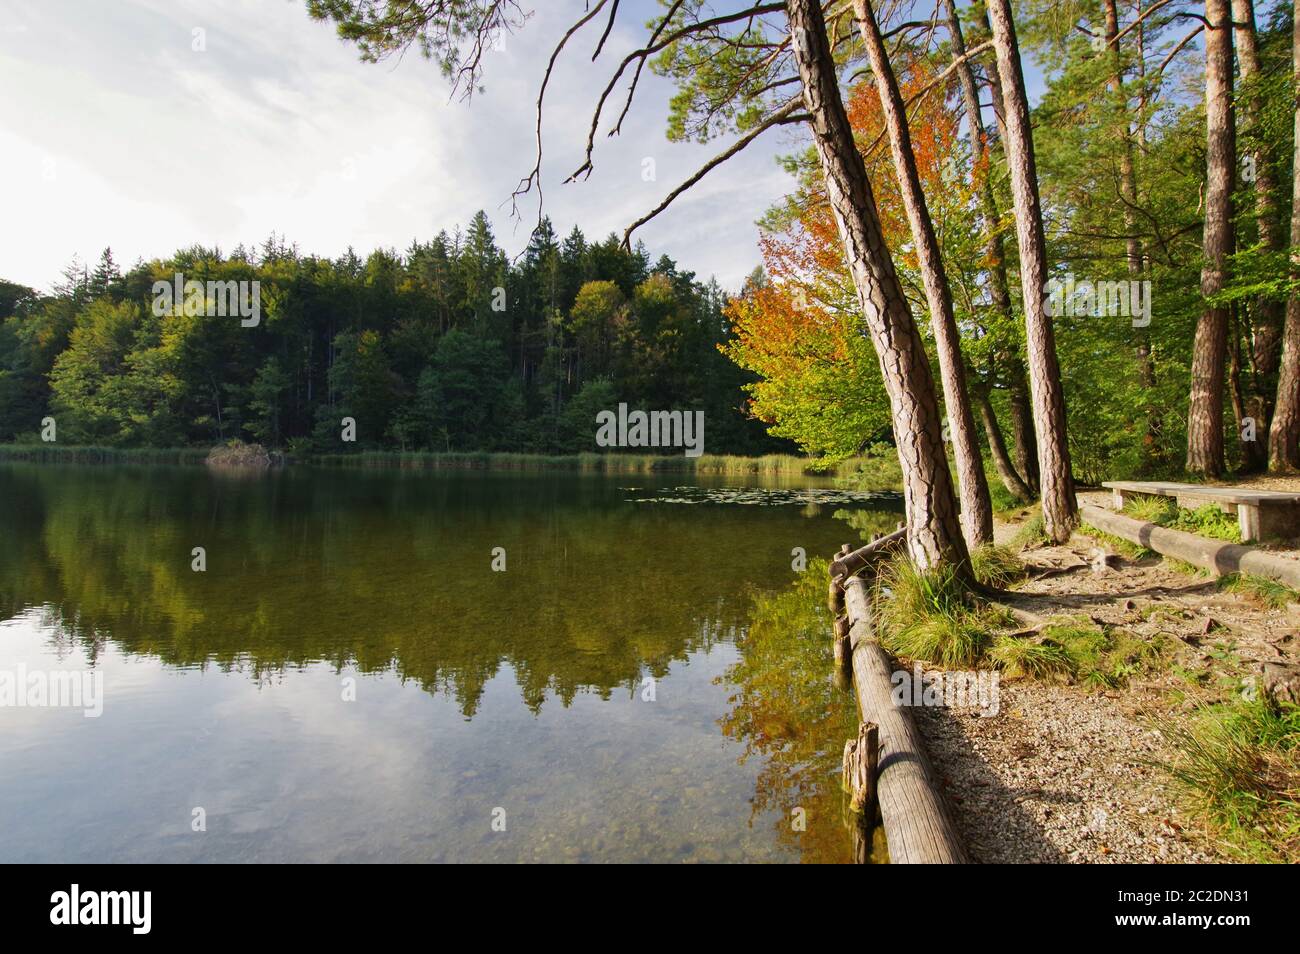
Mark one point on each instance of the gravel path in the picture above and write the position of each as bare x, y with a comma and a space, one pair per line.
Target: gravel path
1066, 774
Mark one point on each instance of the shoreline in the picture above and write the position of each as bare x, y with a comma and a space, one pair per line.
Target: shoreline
773, 465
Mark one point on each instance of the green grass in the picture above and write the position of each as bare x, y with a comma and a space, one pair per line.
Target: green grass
1018, 656
1004, 502
53, 453
1157, 510
1093, 656
1182, 566
996, 566
933, 617
1208, 521
1031, 534
1259, 589
1119, 544
1238, 766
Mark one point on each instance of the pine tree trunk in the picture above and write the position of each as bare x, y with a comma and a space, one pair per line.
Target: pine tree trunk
999, 284
1205, 410
1284, 433
1060, 509
934, 533
1132, 244
1266, 313
998, 449
976, 507
1017, 380
1022, 423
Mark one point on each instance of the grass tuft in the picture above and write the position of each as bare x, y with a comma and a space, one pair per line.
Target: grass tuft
1032, 534
1259, 589
996, 566
1208, 521
1019, 656
1238, 765
932, 616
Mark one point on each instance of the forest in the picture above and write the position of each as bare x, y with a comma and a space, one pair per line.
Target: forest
449, 346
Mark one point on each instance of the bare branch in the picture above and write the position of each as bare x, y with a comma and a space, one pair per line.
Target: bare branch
642, 54
613, 12
535, 176
784, 115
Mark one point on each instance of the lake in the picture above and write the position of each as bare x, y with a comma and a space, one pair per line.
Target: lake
396, 666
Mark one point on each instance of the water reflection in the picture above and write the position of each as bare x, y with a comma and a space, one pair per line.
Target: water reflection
223, 685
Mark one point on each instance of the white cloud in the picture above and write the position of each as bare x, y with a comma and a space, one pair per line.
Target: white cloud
153, 146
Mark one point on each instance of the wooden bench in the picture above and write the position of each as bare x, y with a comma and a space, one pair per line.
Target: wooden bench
1261, 514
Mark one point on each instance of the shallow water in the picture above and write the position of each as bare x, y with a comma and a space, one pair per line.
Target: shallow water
350, 679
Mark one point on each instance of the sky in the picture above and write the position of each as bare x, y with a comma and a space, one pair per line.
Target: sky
154, 125
115, 131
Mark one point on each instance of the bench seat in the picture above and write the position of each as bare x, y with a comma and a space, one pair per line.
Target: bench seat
1261, 514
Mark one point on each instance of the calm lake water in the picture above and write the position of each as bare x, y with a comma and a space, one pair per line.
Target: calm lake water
351, 680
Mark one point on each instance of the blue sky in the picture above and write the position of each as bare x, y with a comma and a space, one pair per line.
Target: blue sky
115, 131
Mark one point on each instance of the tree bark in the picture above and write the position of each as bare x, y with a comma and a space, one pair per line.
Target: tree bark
934, 531
999, 284
1022, 423
1129, 196
976, 507
1060, 509
998, 449
1205, 410
1284, 433
1266, 313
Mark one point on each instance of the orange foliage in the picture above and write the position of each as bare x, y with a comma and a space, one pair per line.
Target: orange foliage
806, 320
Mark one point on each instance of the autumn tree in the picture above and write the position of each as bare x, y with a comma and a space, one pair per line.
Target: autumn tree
976, 508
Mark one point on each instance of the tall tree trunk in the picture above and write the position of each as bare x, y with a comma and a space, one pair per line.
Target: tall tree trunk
1205, 411
933, 529
976, 507
1022, 422
1266, 313
1129, 197
1284, 433
1235, 391
1013, 370
1060, 509
998, 449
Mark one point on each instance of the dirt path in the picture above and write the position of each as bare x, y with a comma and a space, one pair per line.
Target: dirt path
1064, 773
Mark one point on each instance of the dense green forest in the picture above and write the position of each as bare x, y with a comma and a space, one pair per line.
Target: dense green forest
449, 346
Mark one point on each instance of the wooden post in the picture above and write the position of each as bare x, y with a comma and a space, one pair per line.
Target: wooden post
835, 598
842, 647
846, 564
861, 756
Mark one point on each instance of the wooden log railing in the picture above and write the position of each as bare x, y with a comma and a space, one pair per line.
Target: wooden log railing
1214, 555
847, 562
898, 775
